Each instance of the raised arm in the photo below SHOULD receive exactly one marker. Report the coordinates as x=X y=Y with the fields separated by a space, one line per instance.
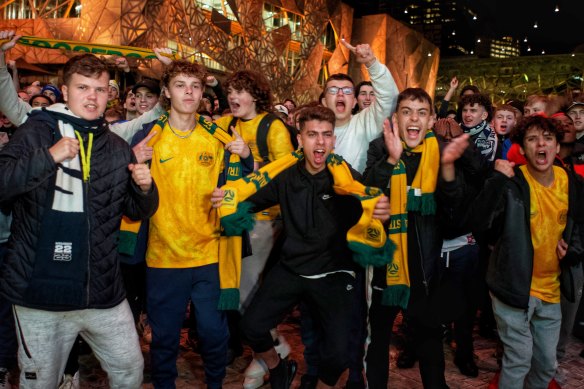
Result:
x=385 y=89
x=14 y=108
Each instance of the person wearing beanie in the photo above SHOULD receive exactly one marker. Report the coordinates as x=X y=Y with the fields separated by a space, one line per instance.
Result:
x=113 y=93
x=52 y=92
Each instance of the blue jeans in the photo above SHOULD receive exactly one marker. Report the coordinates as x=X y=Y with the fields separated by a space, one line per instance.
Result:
x=8 y=343
x=167 y=294
x=529 y=338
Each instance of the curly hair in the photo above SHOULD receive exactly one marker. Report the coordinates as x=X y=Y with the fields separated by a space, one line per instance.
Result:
x=539 y=122
x=184 y=67
x=480 y=99
x=255 y=84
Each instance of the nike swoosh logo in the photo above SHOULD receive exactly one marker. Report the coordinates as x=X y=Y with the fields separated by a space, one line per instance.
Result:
x=326 y=196
x=165 y=160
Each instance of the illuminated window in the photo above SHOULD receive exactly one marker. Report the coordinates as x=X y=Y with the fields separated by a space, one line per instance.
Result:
x=275 y=17
x=220 y=6
x=329 y=39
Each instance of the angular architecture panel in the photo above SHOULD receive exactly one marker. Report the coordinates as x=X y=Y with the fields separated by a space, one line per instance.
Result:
x=403 y=50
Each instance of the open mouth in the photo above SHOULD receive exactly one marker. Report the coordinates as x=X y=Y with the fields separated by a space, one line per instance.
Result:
x=413 y=132
x=541 y=158
x=319 y=156
x=234 y=106
x=341 y=106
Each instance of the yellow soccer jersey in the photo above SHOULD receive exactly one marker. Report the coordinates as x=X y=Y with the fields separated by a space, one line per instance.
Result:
x=278 y=140
x=548 y=215
x=184 y=231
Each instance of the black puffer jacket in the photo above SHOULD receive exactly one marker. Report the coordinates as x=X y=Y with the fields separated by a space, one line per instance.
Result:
x=502 y=212
x=27 y=179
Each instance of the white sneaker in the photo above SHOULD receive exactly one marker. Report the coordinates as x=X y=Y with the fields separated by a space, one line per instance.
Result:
x=70 y=381
x=4 y=377
x=254 y=374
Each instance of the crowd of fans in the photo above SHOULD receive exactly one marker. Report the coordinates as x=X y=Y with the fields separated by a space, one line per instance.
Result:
x=116 y=193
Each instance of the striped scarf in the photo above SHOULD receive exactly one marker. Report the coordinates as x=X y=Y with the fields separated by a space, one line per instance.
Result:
x=419 y=197
x=86 y=47
x=366 y=239
x=229 y=246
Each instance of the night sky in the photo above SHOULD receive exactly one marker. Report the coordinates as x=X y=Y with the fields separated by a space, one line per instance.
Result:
x=557 y=32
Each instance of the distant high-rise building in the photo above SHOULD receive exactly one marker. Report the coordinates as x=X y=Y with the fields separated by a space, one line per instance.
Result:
x=446 y=23
x=505 y=47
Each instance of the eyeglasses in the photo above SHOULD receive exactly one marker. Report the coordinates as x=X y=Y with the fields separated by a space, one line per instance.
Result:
x=333 y=90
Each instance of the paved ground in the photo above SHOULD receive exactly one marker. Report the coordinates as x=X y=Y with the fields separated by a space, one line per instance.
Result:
x=191 y=371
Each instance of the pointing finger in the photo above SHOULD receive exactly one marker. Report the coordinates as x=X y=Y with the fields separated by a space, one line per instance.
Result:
x=147 y=139
x=348 y=45
x=235 y=133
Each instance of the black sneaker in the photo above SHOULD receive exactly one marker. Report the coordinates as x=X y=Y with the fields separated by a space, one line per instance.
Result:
x=281 y=376
x=467 y=366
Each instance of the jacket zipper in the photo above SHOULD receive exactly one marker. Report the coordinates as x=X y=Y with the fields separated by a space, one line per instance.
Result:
x=87 y=210
x=425 y=282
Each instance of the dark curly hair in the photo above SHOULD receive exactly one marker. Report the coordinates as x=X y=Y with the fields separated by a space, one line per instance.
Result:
x=539 y=122
x=480 y=99
x=184 y=67
x=255 y=84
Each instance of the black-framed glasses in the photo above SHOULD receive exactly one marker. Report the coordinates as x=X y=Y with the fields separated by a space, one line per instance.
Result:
x=346 y=90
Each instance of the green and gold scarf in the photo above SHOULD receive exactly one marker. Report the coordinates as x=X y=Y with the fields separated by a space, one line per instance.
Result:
x=419 y=197
x=86 y=47
x=367 y=239
x=229 y=246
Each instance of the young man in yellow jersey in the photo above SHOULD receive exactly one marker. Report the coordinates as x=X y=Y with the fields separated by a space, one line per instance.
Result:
x=250 y=100
x=534 y=218
x=183 y=242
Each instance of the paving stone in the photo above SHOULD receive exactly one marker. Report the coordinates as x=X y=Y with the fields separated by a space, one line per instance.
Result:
x=191 y=375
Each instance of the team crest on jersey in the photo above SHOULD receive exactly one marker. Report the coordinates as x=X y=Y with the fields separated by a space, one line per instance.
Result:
x=205 y=158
